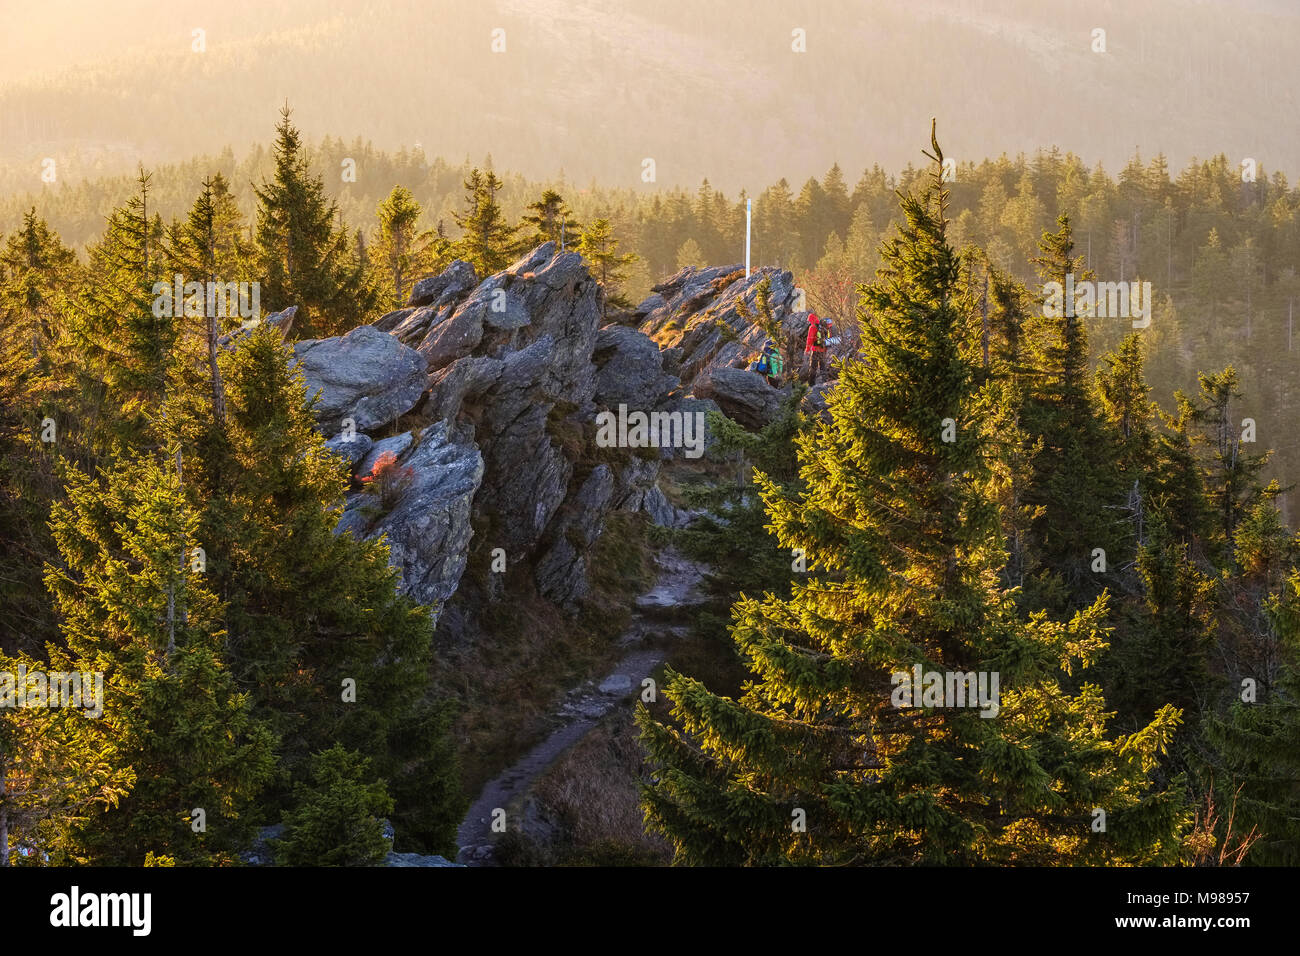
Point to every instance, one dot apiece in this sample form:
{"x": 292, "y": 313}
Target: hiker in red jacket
{"x": 816, "y": 358}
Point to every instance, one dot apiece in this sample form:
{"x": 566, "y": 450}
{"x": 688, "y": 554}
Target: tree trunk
{"x": 4, "y": 815}
{"x": 218, "y": 390}
{"x": 985, "y": 319}
{"x": 214, "y": 371}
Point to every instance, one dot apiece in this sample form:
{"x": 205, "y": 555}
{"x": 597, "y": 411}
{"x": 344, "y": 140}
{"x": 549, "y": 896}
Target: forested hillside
{"x": 350, "y": 535}
{"x": 593, "y": 87}
{"x": 1219, "y": 243}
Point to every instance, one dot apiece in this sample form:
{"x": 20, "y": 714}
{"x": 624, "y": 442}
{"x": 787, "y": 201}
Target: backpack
{"x": 821, "y": 335}
{"x": 763, "y": 365}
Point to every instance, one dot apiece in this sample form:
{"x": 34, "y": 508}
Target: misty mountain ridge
{"x": 593, "y": 89}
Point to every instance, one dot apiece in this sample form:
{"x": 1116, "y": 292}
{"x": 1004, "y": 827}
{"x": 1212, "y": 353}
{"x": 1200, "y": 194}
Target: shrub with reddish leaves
{"x": 388, "y": 480}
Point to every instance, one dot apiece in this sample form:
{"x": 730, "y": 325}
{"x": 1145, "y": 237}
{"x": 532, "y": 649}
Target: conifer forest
{"x": 577, "y": 435}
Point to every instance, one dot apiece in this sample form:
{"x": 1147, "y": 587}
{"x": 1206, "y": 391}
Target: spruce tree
{"x": 999, "y": 310}
{"x": 304, "y": 255}
{"x": 1256, "y": 744}
{"x": 403, "y": 253}
{"x": 732, "y": 533}
{"x": 689, "y": 255}
{"x": 1178, "y": 484}
{"x": 209, "y": 248}
{"x": 549, "y": 219}
{"x": 1072, "y": 482}
{"x": 903, "y": 552}
{"x": 1249, "y": 644}
{"x": 1125, "y": 406}
{"x": 1007, "y": 314}
{"x": 310, "y": 614}
{"x": 1230, "y": 472}
{"x": 486, "y": 241}
{"x": 337, "y": 819}
{"x": 58, "y": 766}
{"x": 134, "y": 607}
{"x": 37, "y": 271}
{"x": 1165, "y": 657}
{"x": 1012, "y": 452}
{"x": 124, "y": 329}
{"x": 38, "y": 412}
{"x": 608, "y": 265}
{"x": 1165, "y": 632}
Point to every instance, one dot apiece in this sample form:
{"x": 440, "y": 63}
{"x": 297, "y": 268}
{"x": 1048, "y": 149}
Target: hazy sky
{"x": 733, "y": 91}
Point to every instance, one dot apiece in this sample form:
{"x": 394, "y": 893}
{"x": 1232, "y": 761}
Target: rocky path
{"x": 677, "y": 588}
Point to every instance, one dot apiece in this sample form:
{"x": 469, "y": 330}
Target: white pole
{"x": 747, "y": 205}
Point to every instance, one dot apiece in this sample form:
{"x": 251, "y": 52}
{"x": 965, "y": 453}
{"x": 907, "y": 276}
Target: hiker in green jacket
{"x": 769, "y": 364}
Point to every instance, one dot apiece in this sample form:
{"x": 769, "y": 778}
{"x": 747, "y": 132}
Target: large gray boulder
{"x": 432, "y": 301}
{"x": 391, "y": 320}
{"x": 366, "y": 375}
{"x": 352, "y": 448}
{"x": 743, "y": 396}
{"x": 452, "y": 334}
{"x": 282, "y": 322}
{"x": 630, "y": 370}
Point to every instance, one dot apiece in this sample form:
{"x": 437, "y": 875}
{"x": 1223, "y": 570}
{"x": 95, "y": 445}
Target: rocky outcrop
{"x": 513, "y": 371}
{"x": 514, "y": 361}
{"x": 428, "y": 522}
{"x": 562, "y": 570}
{"x": 540, "y": 387}
{"x": 366, "y": 375}
{"x": 702, "y": 313}
{"x": 428, "y": 300}
{"x": 507, "y": 377}
{"x": 282, "y": 322}
{"x": 391, "y": 320}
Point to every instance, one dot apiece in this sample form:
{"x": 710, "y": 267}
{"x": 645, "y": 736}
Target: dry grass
{"x": 507, "y": 684}
{"x": 721, "y": 282}
{"x": 594, "y": 790}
